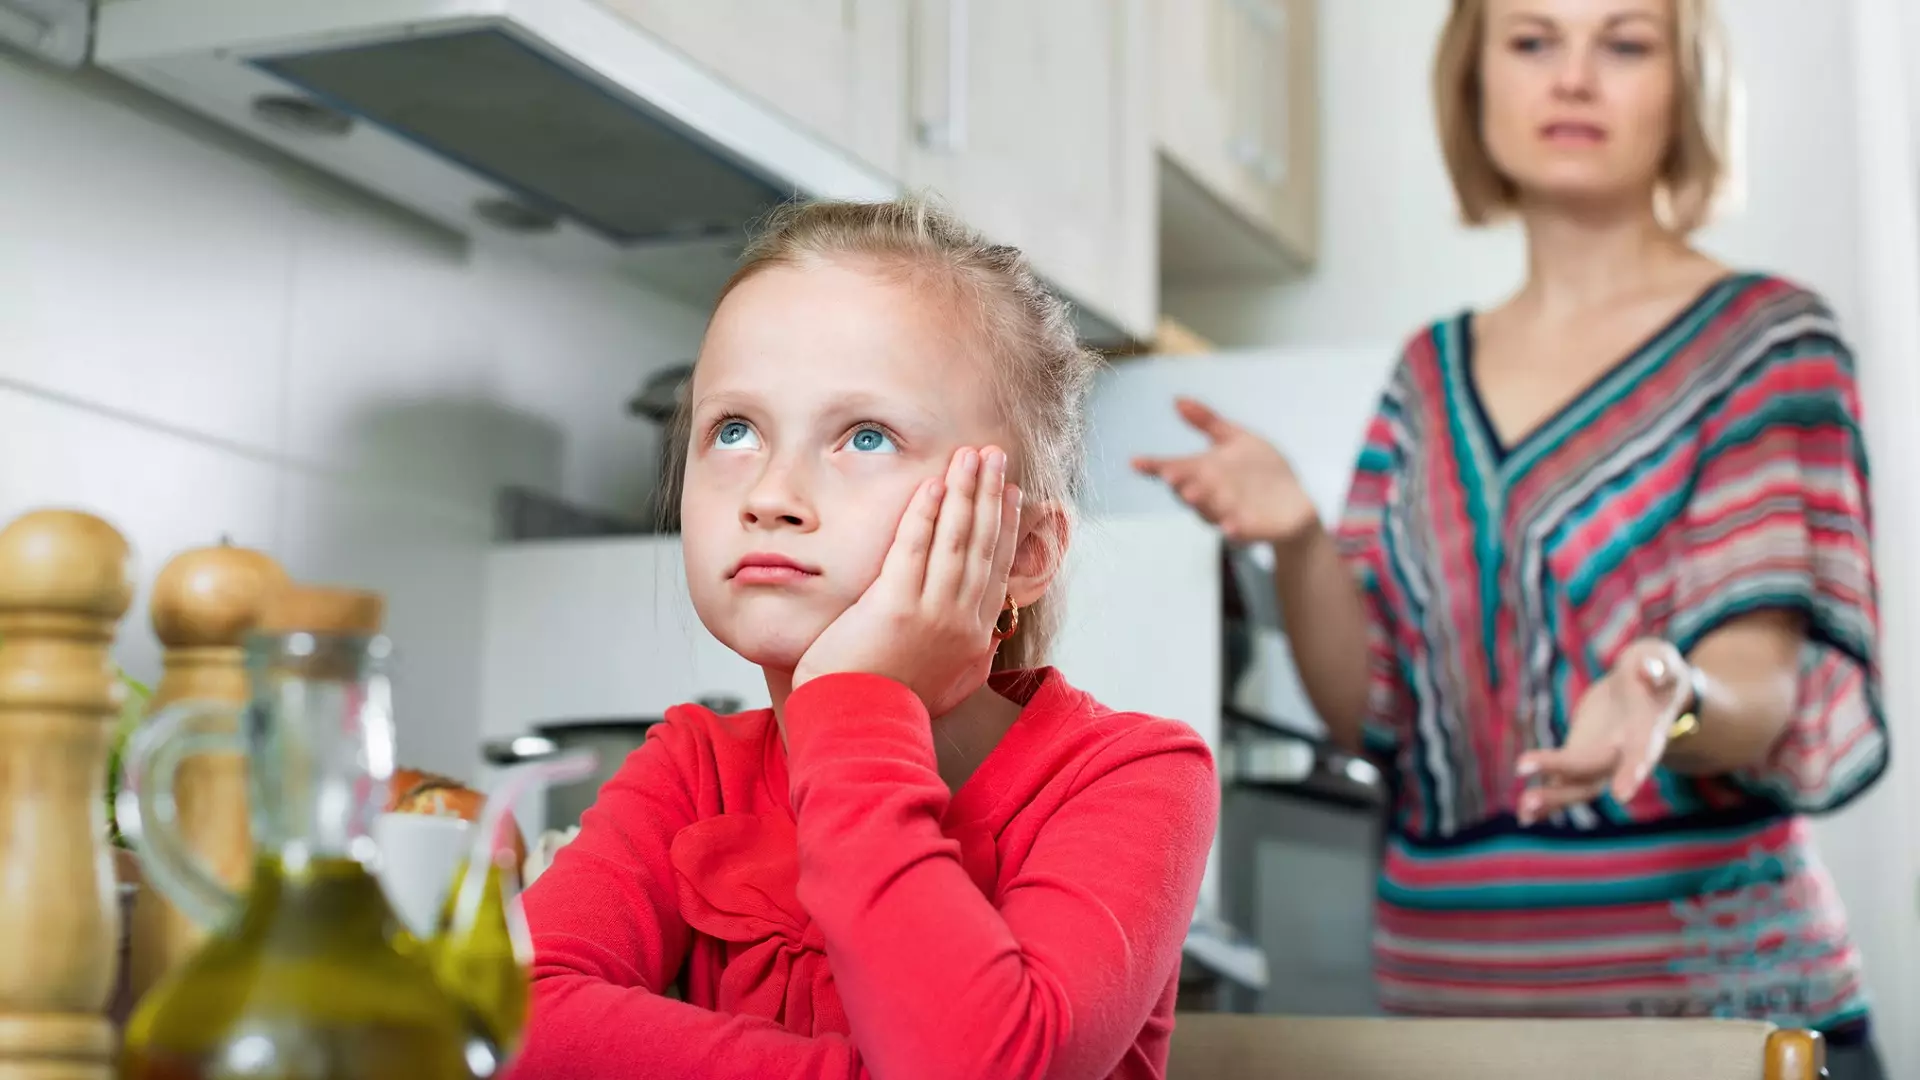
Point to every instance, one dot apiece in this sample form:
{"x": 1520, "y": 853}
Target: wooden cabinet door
{"x": 1198, "y": 90}
{"x": 1236, "y": 112}
{"x": 837, "y": 67}
{"x": 1032, "y": 121}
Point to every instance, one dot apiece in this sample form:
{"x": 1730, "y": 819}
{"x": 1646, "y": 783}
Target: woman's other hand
{"x": 1240, "y": 483}
{"x": 927, "y": 621}
{"x": 1618, "y": 733}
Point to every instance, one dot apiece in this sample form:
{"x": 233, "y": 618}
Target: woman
{"x": 1601, "y": 596}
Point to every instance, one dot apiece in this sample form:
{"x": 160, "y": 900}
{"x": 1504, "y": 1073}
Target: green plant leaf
{"x": 132, "y": 710}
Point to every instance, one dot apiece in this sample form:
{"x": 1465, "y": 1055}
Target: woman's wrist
{"x": 1667, "y": 670}
{"x": 1293, "y": 550}
{"x": 1694, "y": 689}
{"x": 1724, "y": 721}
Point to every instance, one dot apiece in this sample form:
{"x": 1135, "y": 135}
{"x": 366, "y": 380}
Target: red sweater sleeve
{"x": 1061, "y": 977}
{"x": 608, "y": 938}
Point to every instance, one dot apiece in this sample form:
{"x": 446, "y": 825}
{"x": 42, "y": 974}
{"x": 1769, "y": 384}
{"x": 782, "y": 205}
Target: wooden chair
{"x": 1220, "y": 1046}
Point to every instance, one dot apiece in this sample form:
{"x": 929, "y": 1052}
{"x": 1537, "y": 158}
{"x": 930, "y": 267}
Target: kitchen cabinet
{"x": 836, "y": 67}
{"x": 1033, "y": 122}
{"x": 1236, "y": 124}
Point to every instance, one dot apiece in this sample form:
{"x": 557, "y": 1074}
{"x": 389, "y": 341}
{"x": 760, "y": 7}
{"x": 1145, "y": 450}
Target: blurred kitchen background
{"x": 398, "y": 291}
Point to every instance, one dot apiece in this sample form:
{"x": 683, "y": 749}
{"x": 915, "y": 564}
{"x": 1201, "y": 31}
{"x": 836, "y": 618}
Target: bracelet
{"x": 1686, "y": 724}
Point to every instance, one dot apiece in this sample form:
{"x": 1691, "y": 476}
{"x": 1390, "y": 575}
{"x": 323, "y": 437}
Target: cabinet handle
{"x": 1242, "y": 139}
{"x": 1277, "y": 94}
{"x": 1265, "y": 38}
{"x": 948, "y": 132}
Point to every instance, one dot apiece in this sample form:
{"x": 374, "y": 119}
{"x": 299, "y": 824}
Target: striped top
{"x": 1716, "y": 470}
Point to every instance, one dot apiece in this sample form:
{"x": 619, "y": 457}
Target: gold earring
{"x": 1008, "y": 622}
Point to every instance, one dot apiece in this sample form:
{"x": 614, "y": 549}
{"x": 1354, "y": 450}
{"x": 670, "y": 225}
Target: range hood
{"x": 555, "y": 126}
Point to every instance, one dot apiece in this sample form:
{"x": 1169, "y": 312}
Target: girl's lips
{"x": 771, "y": 568}
{"x": 769, "y": 574}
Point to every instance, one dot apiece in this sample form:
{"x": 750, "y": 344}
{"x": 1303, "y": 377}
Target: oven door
{"x": 1300, "y": 837}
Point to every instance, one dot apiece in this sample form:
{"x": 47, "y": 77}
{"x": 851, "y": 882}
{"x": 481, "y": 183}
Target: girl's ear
{"x": 1044, "y": 531}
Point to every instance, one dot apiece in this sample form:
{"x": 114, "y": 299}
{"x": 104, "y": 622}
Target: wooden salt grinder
{"x": 66, "y": 578}
{"x": 204, "y": 603}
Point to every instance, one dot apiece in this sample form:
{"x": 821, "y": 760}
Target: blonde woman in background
{"x": 1602, "y": 597}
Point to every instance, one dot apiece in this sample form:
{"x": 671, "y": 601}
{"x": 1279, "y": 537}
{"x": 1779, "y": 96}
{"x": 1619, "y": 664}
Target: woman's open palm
{"x": 1239, "y": 482}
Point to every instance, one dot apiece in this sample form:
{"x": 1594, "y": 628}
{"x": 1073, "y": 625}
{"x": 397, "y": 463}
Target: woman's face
{"x": 1578, "y": 98}
{"x": 823, "y": 396}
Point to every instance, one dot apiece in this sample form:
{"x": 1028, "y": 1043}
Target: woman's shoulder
{"x": 1767, "y": 300}
{"x": 1757, "y": 325}
{"x": 1428, "y": 342}
{"x": 1419, "y": 367}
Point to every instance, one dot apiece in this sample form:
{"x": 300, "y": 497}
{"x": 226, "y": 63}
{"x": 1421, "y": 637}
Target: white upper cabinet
{"x": 836, "y": 67}
{"x": 1236, "y": 122}
{"x": 1033, "y": 121}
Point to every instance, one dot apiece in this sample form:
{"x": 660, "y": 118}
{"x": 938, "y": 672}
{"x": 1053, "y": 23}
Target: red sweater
{"x": 830, "y": 910}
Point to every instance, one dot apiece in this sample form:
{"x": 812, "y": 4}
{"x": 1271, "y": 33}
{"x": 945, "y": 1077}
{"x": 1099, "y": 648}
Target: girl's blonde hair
{"x": 1044, "y": 374}
{"x": 1696, "y": 171}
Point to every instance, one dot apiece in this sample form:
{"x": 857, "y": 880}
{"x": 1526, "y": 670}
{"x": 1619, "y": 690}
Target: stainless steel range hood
{"x": 551, "y": 125}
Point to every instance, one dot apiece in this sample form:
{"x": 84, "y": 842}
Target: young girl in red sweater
{"x": 930, "y": 858}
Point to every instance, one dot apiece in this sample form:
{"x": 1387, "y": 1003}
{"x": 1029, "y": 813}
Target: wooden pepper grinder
{"x": 66, "y": 578}
{"x": 204, "y": 603}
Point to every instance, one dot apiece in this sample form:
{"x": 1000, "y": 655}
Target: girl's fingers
{"x": 905, "y": 566}
{"x": 946, "y": 564}
{"x": 995, "y": 594}
{"x": 988, "y": 501}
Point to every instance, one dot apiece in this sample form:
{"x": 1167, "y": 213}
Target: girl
{"x": 907, "y": 867}
{"x": 1602, "y": 596}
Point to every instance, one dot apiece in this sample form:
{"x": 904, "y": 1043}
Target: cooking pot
{"x": 611, "y": 739}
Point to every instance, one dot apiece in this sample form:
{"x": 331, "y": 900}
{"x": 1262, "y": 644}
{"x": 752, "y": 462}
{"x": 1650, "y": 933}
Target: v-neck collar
{"x": 1629, "y": 369}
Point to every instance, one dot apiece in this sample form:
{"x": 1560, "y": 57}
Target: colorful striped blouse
{"x": 1717, "y": 470}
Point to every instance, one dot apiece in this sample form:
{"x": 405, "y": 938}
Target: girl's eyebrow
{"x": 853, "y": 403}
{"x": 856, "y": 402}
{"x": 730, "y": 400}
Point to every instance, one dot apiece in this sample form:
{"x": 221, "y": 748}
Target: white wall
{"x": 1872, "y": 846}
{"x": 1393, "y": 255}
{"x": 197, "y": 341}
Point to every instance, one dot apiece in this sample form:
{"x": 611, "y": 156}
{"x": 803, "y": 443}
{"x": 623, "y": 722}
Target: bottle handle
{"x": 481, "y": 949}
{"x": 148, "y": 815}
{"x": 487, "y": 845}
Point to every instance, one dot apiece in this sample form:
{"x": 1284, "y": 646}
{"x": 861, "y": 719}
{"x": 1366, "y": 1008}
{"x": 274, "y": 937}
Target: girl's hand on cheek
{"x": 927, "y": 620}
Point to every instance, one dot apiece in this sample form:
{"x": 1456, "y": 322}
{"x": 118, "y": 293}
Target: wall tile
{"x": 429, "y": 565}
{"x": 138, "y": 271}
{"x": 165, "y": 493}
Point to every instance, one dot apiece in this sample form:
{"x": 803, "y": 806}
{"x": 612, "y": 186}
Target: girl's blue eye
{"x": 735, "y": 435}
{"x": 870, "y": 440}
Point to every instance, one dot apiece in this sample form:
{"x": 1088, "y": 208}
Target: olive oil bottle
{"x": 310, "y": 975}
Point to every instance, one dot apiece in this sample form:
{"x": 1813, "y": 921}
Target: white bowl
{"x": 419, "y": 855}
